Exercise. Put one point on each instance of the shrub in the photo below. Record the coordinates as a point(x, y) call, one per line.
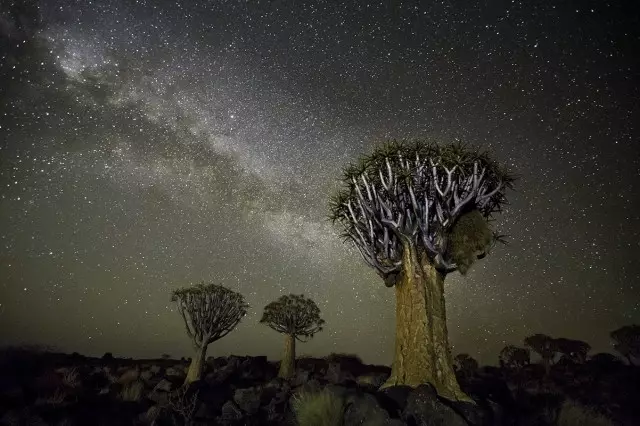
point(320, 408)
point(132, 391)
point(573, 414)
point(70, 377)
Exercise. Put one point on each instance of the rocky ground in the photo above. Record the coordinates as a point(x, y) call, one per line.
point(40, 388)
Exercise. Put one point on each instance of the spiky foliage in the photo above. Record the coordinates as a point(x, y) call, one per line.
point(544, 346)
point(574, 350)
point(417, 192)
point(514, 357)
point(209, 311)
point(294, 315)
point(626, 340)
point(318, 408)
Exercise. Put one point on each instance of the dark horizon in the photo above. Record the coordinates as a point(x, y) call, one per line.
point(146, 147)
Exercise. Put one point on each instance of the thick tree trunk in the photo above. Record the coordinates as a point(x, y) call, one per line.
point(422, 353)
point(195, 368)
point(287, 365)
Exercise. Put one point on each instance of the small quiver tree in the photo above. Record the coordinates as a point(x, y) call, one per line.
point(416, 212)
point(514, 358)
point(543, 345)
point(298, 318)
point(573, 350)
point(626, 341)
point(209, 312)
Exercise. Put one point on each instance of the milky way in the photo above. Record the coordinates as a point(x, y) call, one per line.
point(151, 145)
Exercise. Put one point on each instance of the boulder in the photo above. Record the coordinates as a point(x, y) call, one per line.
point(394, 398)
point(248, 400)
point(424, 409)
point(364, 410)
point(372, 380)
point(231, 412)
point(177, 371)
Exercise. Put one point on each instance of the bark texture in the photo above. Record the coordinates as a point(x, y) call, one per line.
point(287, 365)
point(422, 353)
point(195, 368)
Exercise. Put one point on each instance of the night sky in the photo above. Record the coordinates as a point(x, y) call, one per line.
point(147, 145)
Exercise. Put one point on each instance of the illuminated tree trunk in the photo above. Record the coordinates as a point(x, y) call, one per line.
point(422, 353)
point(195, 368)
point(287, 365)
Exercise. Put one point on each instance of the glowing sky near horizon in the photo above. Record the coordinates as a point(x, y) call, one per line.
point(148, 145)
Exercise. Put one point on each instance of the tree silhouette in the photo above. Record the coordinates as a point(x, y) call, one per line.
point(626, 340)
point(544, 346)
point(465, 364)
point(513, 357)
point(417, 211)
point(210, 312)
point(573, 350)
point(298, 318)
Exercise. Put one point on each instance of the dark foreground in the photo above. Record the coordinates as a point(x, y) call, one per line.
point(43, 388)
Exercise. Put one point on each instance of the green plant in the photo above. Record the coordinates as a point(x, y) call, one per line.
point(318, 408)
point(573, 414)
point(132, 391)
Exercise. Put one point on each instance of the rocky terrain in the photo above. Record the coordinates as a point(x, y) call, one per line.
point(45, 388)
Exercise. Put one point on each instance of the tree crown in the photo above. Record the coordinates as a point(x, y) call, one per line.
point(293, 314)
point(209, 311)
point(414, 192)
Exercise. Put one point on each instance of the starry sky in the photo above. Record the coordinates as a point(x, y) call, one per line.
point(148, 145)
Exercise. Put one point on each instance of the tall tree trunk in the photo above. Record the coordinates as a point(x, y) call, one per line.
point(287, 365)
point(422, 353)
point(195, 368)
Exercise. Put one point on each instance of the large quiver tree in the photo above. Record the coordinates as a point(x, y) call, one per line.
point(210, 312)
point(417, 211)
point(298, 318)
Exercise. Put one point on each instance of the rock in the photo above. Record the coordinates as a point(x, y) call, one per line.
point(394, 398)
point(146, 375)
point(230, 411)
point(364, 410)
point(424, 409)
point(248, 399)
point(474, 414)
point(155, 369)
point(301, 377)
point(164, 386)
point(335, 374)
point(177, 371)
point(372, 380)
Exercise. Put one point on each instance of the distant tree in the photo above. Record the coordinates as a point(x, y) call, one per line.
point(544, 346)
point(513, 357)
point(465, 364)
point(605, 360)
point(209, 312)
point(573, 350)
point(108, 356)
point(298, 318)
point(626, 340)
point(416, 212)
point(165, 356)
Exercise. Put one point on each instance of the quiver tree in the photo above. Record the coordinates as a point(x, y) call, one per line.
point(626, 341)
point(573, 350)
point(209, 312)
point(513, 357)
point(543, 345)
point(298, 318)
point(416, 212)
